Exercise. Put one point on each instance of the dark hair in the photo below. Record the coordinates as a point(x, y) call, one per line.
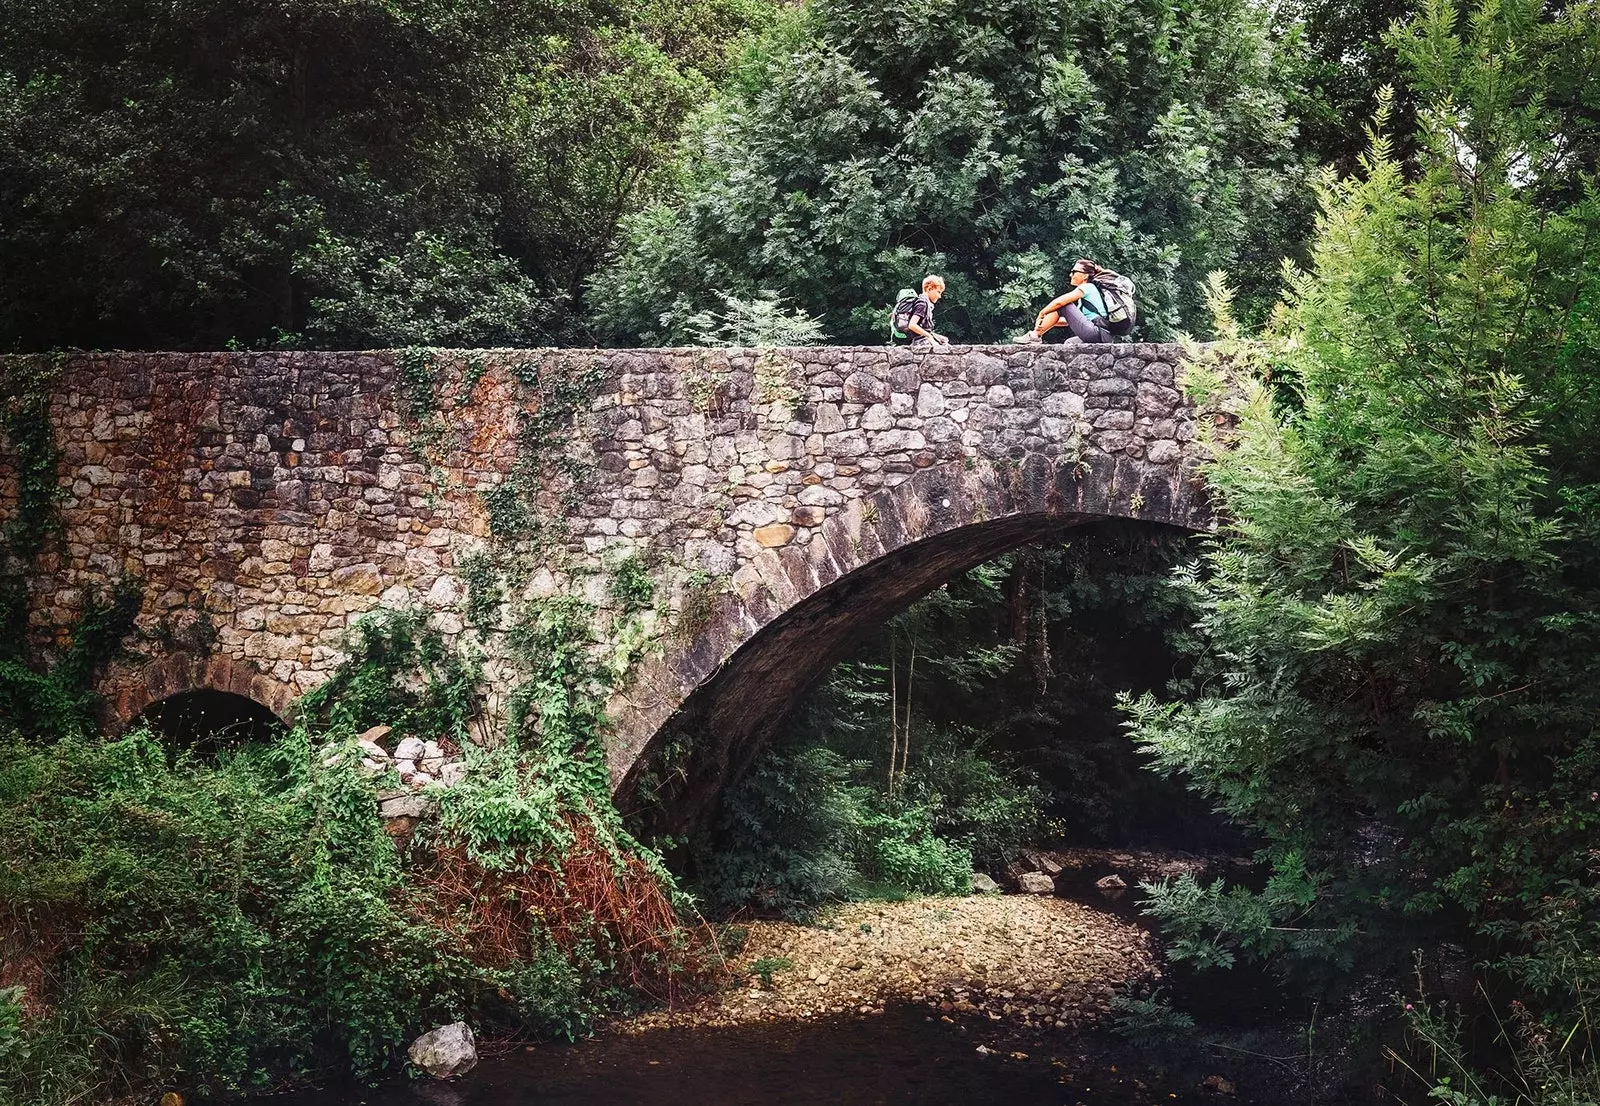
point(1084, 265)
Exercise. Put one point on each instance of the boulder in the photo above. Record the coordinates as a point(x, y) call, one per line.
point(1036, 883)
point(410, 748)
point(982, 884)
point(1113, 887)
point(452, 773)
point(446, 1052)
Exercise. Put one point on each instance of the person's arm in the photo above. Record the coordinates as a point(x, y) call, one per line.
point(1062, 300)
point(1055, 305)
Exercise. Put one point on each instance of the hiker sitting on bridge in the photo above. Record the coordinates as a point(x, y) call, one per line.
point(1099, 308)
point(912, 317)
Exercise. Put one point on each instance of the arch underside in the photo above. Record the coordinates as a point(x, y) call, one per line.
point(923, 533)
point(728, 719)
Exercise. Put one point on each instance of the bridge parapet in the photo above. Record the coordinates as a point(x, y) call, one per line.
point(266, 500)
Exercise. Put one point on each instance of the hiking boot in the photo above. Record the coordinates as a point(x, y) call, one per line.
point(1028, 339)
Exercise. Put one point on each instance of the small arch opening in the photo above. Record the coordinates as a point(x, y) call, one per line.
point(206, 720)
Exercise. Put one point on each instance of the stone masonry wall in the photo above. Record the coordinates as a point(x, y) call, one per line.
point(266, 501)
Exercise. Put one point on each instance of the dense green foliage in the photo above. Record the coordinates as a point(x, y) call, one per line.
point(1001, 687)
point(220, 924)
point(1396, 632)
point(352, 174)
point(993, 142)
point(225, 921)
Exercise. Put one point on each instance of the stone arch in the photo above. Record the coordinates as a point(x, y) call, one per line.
point(181, 672)
point(794, 612)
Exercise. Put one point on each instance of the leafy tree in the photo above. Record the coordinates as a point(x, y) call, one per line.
point(1396, 629)
point(348, 173)
point(993, 142)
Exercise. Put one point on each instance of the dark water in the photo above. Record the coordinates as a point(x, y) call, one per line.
point(900, 1057)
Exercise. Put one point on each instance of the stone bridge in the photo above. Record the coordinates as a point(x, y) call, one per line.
point(762, 509)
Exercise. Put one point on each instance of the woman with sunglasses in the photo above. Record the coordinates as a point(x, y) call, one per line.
point(1082, 310)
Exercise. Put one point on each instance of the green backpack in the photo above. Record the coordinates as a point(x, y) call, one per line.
point(900, 314)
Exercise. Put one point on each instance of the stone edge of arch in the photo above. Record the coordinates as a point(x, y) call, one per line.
point(931, 502)
point(135, 689)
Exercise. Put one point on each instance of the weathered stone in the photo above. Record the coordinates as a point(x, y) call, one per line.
point(983, 884)
point(1113, 887)
point(1036, 883)
point(362, 579)
point(860, 387)
point(877, 417)
point(931, 401)
point(775, 535)
point(446, 1052)
point(410, 749)
point(1163, 452)
point(406, 806)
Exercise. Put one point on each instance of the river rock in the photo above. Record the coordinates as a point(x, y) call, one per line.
point(446, 1052)
point(1036, 883)
point(1113, 887)
point(984, 884)
point(410, 748)
point(1044, 862)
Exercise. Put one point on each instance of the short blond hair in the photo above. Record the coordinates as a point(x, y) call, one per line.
point(932, 280)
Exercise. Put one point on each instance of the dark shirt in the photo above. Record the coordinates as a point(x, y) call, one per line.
point(922, 313)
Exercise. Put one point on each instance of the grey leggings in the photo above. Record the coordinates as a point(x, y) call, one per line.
point(1084, 328)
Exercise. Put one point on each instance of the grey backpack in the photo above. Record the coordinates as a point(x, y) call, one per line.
point(1121, 310)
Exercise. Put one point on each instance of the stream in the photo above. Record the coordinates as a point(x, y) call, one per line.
point(902, 1056)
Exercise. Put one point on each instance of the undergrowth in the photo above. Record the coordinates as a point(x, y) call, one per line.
point(235, 922)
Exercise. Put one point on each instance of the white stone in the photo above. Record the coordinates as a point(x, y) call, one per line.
point(405, 806)
point(411, 748)
point(895, 441)
point(1163, 452)
point(396, 597)
point(444, 593)
point(931, 401)
point(878, 417)
point(816, 495)
point(1062, 404)
point(446, 1052)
